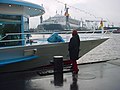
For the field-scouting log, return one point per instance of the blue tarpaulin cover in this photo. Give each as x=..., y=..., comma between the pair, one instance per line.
x=55, y=38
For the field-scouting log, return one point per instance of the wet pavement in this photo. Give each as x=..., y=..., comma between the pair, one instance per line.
x=108, y=50
x=98, y=76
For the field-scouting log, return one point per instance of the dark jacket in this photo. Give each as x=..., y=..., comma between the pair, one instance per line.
x=74, y=45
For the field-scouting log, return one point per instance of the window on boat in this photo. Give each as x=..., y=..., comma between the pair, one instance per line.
x=9, y=26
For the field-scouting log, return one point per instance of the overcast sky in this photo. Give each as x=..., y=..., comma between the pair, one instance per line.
x=88, y=9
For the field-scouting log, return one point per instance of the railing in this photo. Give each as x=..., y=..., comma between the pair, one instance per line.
x=13, y=39
x=39, y=38
x=23, y=39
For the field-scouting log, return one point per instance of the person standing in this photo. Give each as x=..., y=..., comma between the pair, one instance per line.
x=73, y=48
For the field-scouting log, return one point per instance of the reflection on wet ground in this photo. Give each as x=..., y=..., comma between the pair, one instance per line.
x=99, y=76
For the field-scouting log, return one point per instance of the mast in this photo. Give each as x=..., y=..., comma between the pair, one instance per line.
x=67, y=17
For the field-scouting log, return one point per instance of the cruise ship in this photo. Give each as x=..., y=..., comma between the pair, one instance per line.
x=58, y=23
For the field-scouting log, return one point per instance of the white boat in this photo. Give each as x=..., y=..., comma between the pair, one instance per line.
x=57, y=23
x=39, y=54
x=15, y=54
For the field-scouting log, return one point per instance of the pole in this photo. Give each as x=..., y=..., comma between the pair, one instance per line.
x=58, y=70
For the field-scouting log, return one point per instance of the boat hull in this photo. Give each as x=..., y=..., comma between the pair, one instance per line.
x=44, y=54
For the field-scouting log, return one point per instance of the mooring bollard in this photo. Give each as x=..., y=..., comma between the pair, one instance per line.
x=58, y=70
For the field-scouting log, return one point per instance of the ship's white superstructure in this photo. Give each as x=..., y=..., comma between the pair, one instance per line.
x=61, y=21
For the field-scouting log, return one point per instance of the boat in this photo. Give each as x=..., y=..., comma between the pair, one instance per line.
x=18, y=55
x=58, y=23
